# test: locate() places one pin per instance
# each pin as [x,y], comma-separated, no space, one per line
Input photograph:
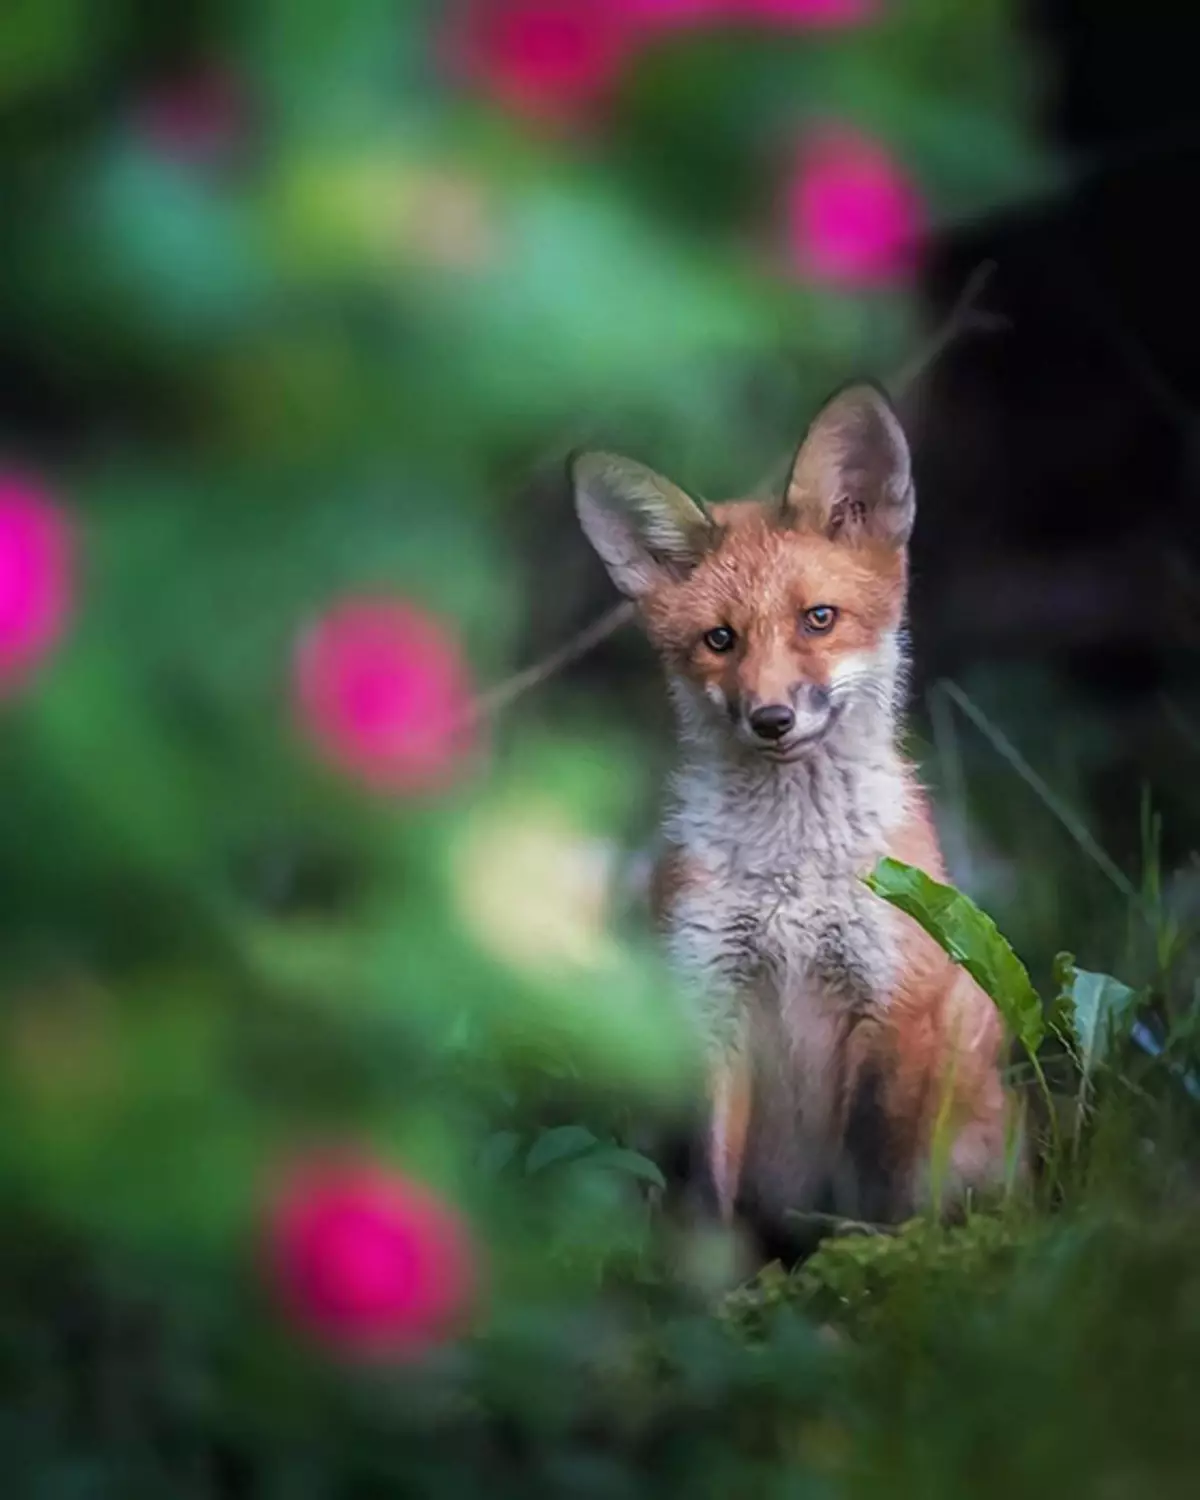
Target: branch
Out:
[504,693]
[962,318]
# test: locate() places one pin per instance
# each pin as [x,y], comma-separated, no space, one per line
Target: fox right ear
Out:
[852,478]
[643,527]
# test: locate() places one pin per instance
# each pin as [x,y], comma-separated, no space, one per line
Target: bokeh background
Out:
[331,1029]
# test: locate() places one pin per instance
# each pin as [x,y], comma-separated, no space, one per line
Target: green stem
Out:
[1055,1134]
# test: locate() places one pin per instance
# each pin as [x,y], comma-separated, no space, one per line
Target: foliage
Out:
[858,1281]
[300,308]
[971,939]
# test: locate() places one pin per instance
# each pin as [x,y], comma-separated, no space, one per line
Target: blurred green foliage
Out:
[312,342]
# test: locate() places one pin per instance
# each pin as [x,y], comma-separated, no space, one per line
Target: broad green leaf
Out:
[971,939]
[559,1144]
[632,1163]
[1096,1005]
[497,1151]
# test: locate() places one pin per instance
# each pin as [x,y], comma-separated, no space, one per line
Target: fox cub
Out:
[845,1048]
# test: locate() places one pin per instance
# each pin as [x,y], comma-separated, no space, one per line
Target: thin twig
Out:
[962,317]
[500,696]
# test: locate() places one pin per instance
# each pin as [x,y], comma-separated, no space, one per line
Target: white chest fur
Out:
[776,939]
[776,855]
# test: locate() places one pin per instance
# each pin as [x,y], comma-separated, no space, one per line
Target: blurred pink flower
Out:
[853,217]
[652,14]
[35,576]
[549,59]
[558,59]
[368,1261]
[383,690]
[196,118]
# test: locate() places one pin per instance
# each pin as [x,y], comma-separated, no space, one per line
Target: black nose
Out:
[772,722]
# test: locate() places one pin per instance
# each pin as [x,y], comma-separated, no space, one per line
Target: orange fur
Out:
[940,1030]
[759,582]
[943,1032]
[730,1101]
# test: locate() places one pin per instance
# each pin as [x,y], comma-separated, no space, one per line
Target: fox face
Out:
[773,617]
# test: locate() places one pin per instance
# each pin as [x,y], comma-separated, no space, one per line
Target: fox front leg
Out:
[729,1122]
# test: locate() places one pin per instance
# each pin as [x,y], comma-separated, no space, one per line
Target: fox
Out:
[852,1069]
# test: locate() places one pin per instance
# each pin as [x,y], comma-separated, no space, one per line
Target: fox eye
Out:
[720,639]
[820,619]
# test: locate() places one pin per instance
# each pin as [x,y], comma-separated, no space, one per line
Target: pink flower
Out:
[651,15]
[368,1261]
[853,216]
[560,59]
[383,691]
[548,59]
[35,577]
[196,118]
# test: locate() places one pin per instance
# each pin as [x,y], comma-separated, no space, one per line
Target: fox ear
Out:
[643,527]
[852,478]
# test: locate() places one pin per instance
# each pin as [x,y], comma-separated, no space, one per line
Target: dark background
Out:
[1060,459]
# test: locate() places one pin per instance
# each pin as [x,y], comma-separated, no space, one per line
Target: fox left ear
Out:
[852,478]
[644,528]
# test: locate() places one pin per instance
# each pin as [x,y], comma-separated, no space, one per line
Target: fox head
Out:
[776,619]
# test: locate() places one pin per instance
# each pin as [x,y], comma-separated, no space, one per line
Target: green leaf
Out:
[497,1151]
[971,939]
[1097,1005]
[559,1144]
[633,1163]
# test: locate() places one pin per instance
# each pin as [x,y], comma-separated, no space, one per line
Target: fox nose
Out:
[772,721]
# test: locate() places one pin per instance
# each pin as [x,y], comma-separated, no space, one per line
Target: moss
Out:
[855,1279]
